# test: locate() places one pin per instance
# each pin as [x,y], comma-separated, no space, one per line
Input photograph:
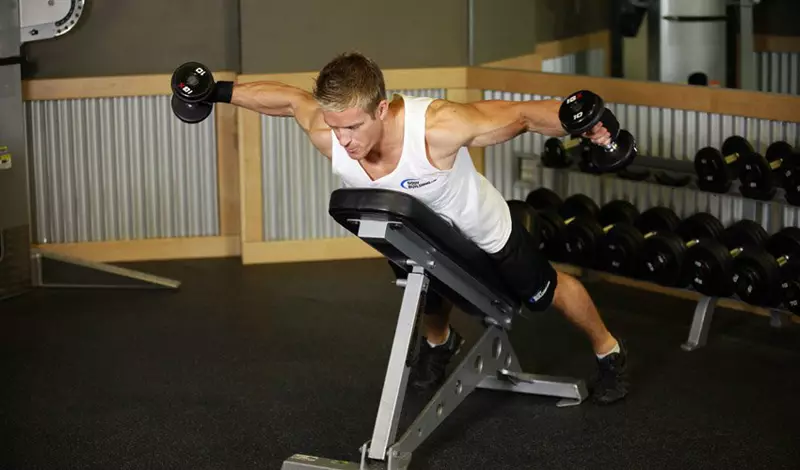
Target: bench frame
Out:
[490,364]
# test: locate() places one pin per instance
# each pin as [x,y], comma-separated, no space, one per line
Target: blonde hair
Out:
[350,80]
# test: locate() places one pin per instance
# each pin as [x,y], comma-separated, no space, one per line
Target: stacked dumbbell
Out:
[528,218]
[580,238]
[768,276]
[760,176]
[710,262]
[555,216]
[663,253]
[717,168]
[619,249]
[790,176]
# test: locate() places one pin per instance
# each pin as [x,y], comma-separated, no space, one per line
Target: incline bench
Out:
[436,255]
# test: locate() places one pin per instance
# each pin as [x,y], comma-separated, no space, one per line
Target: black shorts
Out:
[524,268]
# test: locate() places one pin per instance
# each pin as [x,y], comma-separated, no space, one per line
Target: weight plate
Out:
[709,266]
[709,165]
[662,259]
[785,242]
[791,297]
[738,146]
[608,161]
[744,233]
[757,276]
[190,113]
[778,150]
[658,219]
[580,111]
[791,180]
[617,211]
[619,249]
[699,226]
[580,241]
[192,81]
[543,198]
[528,218]
[551,228]
[578,205]
[757,178]
[554,154]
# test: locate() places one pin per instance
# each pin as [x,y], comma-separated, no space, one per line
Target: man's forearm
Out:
[270,98]
[542,117]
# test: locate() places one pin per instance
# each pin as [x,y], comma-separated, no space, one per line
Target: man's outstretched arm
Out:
[279,99]
[484,123]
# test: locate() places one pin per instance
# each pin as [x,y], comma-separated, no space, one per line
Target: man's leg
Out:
[439,342]
[530,274]
[573,301]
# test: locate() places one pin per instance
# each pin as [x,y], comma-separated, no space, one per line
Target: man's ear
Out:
[382,110]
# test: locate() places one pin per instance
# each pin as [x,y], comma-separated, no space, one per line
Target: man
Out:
[419,146]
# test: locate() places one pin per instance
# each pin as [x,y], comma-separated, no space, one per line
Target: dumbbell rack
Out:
[529,165]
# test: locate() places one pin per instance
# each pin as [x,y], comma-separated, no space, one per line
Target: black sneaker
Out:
[611,383]
[429,371]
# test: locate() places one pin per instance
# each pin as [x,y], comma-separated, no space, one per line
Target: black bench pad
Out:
[384,204]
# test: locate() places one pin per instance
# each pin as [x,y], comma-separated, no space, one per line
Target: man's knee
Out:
[546,289]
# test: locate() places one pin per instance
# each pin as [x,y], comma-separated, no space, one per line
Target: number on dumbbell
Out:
[200,71]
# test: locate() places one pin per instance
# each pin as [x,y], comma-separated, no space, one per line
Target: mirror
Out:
[698,42]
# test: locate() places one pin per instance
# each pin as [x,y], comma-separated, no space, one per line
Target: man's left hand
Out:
[599,135]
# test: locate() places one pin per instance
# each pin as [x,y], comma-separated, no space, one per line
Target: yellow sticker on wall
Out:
[5,158]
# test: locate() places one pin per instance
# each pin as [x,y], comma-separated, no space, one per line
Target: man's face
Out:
[357,130]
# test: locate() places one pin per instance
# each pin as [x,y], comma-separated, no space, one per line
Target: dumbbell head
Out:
[790,176]
[556,152]
[546,203]
[190,112]
[716,169]
[758,273]
[543,198]
[582,110]
[192,82]
[663,252]
[582,236]
[528,218]
[619,250]
[760,175]
[658,219]
[791,297]
[710,261]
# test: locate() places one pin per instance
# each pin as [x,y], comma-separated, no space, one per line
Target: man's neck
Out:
[391,143]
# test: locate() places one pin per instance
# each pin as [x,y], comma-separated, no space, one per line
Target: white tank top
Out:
[461,195]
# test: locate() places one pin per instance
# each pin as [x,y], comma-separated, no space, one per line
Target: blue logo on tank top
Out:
[416,183]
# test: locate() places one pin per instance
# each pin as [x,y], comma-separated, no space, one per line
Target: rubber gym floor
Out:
[246,365]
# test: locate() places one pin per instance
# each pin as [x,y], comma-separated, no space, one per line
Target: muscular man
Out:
[419,145]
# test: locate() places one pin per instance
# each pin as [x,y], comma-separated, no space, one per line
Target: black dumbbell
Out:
[662,259]
[556,152]
[528,218]
[619,249]
[761,175]
[791,295]
[556,215]
[580,112]
[194,91]
[582,236]
[717,169]
[790,174]
[762,275]
[711,260]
